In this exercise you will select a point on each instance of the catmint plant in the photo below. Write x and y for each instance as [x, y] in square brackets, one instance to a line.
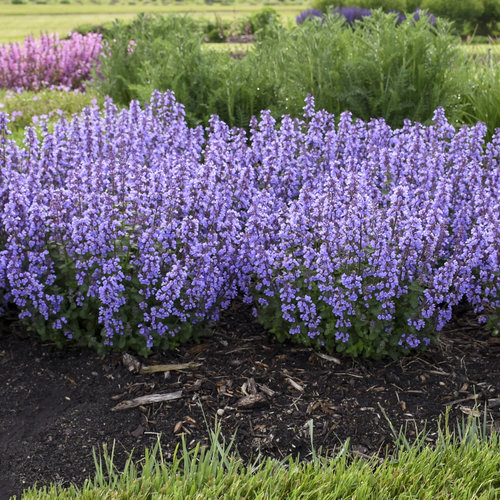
[117, 232]
[394, 229]
[127, 229]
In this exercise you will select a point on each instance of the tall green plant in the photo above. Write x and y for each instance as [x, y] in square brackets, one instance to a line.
[374, 69]
[156, 52]
[483, 98]
[377, 68]
[403, 71]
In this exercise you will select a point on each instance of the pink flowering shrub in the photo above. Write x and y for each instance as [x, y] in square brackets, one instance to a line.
[49, 61]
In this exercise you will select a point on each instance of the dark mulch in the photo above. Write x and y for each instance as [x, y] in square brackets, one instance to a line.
[57, 405]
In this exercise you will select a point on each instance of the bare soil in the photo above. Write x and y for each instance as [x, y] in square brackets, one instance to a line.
[57, 405]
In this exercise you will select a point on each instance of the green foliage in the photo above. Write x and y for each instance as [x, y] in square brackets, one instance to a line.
[385, 5]
[265, 22]
[376, 69]
[165, 53]
[168, 55]
[412, 5]
[85, 29]
[369, 336]
[482, 101]
[458, 10]
[470, 16]
[216, 32]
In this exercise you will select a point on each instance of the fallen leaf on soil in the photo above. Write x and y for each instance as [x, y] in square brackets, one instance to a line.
[470, 411]
[251, 401]
[138, 432]
[145, 400]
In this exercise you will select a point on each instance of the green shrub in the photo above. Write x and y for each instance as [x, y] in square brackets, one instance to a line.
[85, 29]
[165, 52]
[470, 16]
[265, 22]
[457, 10]
[412, 5]
[217, 31]
[168, 55]
[483, 99]
[375, 69]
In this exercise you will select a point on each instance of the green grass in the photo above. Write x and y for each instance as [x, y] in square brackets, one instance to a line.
[481, 49]
[463, 465]
[19, 21]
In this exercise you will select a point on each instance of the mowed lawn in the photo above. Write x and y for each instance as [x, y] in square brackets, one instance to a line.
[19, 21]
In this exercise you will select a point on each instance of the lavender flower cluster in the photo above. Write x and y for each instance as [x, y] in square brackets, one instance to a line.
[130, 229]
[350, 14]
[49, 61]
[353, 14]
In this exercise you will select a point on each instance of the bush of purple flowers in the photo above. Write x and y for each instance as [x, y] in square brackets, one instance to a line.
[350, 14]
[49, 61]
[308, 15]
[116, 231]
[131, 230]
[363, 238]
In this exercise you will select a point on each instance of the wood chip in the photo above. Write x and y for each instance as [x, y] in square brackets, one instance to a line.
[138, 432]
[146, 400]
[251, 386]
[348, 374]
[439, 372]
[251, 401]
[329, 358]
[116, 397]
[267, 390]
[168, 368]
[294, 384]
[131, 363]
[472, 396]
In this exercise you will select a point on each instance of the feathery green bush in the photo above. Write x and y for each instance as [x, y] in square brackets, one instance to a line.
[375, 69]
